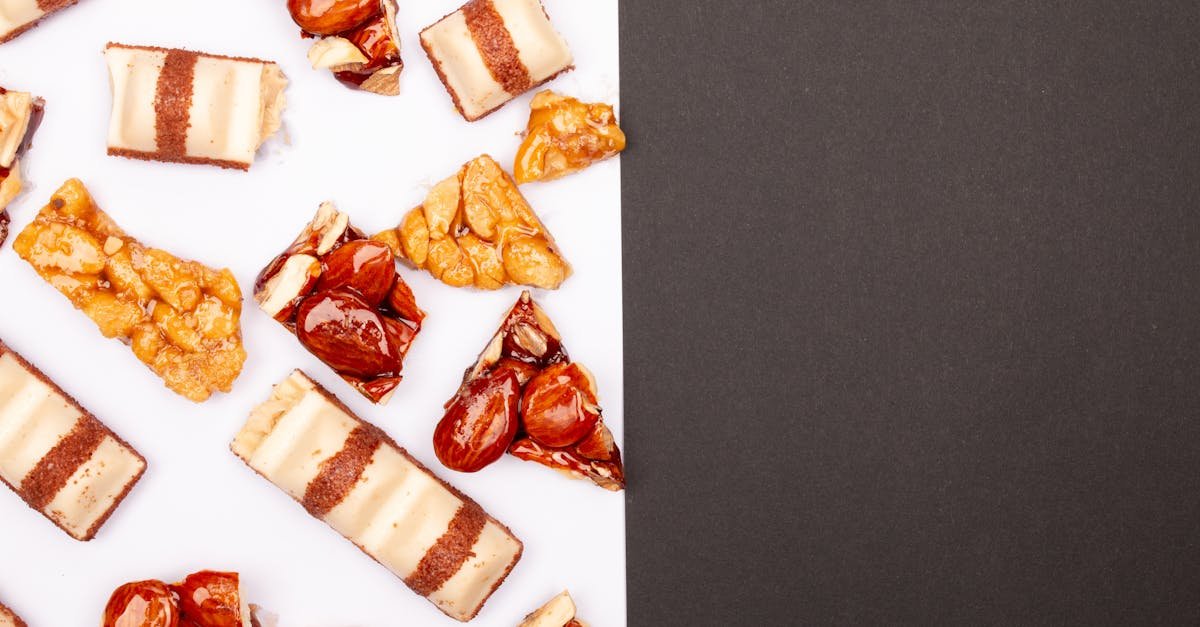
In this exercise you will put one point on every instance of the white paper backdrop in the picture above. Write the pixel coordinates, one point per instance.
(198, 507)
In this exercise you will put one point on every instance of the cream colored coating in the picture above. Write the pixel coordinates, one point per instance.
(463, 66)
(541, 49)
(95, 487)
(491, 556)
(16, 107)
(306, 434)
(34, 418)
(17, 14)
(133, 74)
(396, 512)
(236, 104)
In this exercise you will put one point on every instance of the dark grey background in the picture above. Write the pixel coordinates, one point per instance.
(912, 312)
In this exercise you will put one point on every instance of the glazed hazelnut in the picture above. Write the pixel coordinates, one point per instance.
(559, 405)
(143, 604)
(330, 17)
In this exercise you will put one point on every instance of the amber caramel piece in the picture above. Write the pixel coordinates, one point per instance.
(476, 229)
(564, 136)
(180, 318)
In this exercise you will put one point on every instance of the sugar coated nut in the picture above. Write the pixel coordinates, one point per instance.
(142, 603)
(330, 17)
(559, 405)
(480, 422)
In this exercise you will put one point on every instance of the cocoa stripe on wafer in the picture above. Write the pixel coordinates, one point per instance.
(496, 46)
(49, 6)
(340, 473)
(51, 473)
(450, 552)
(172, 102)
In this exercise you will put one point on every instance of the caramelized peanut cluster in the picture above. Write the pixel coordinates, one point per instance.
(358, 41)
(524, 395)
(339, 292)
(180, 318)
(476, 229)
(564, 136)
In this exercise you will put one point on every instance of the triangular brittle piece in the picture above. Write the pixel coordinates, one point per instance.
(476, 229)
(20, 116)
(526, 396)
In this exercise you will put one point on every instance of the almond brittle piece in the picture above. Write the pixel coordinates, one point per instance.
(20, 116)
(181, 318)
(341, 295)
(476, 229)
(526, 396)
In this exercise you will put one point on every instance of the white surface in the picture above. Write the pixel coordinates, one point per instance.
(199, 506)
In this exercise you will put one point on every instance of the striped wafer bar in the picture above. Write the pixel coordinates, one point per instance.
(8, 618)
(18, 16)
(56, 455)
(191, 107)
(350, 474)
(491, 51)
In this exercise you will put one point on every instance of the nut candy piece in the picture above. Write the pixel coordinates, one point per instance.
(557, 612)
(60, 459)
(560, 422)
(9, 618)
(181, 318)
(20, 116)
(350, 474)
(177, 105)
(565, 135)
(355, 39)
(18, 16)
(476, 229)
(341, 295)
(491, 51)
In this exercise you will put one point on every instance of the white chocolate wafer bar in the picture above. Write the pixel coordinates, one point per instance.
(491, 51)
(56, 455)
(350, 474)
(191, 107)
(8, 618)
(18, 16)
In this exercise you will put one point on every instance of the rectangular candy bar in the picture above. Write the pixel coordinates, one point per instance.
(56, 455)
(491, 51)
(350, 474)
(191, 107)
(18, 16)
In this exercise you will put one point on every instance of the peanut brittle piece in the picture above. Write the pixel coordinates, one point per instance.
(564, 136)
(476, 229)
(181, 318)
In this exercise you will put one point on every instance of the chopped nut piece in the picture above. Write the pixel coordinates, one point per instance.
(476, 229)
(180, 317)
(557, 612)
(565, 135)
(334, 52)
